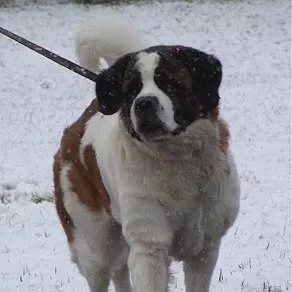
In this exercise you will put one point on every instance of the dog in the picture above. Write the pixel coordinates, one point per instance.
(146, 174)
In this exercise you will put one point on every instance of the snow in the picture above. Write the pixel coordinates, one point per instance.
(39, 98)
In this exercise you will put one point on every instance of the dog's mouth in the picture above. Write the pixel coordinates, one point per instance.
(150, 128)
(151, 131)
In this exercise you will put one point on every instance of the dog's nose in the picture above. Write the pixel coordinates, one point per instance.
(146, 105)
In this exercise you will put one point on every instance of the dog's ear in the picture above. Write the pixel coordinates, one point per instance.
(206, 75)
(108, 87)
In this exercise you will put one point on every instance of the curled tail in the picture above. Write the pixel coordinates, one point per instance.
(107, 39)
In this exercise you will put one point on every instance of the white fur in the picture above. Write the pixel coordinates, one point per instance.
(149, 195)
(182, 187)
(146, 64)
(98, 249)
(108, 38)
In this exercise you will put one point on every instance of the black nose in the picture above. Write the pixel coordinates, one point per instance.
(146, 105)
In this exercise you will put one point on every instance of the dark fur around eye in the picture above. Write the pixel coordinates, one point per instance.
(166, 82)
(182, 98)
(133, 86)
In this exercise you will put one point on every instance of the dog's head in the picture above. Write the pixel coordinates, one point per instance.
(160, 91)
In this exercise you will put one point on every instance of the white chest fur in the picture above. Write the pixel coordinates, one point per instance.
(197, 195)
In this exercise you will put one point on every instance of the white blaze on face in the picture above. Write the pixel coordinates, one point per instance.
(146, 64)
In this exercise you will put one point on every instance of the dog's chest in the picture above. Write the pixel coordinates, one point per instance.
(180, 189)
(176, 179)
(188, 192)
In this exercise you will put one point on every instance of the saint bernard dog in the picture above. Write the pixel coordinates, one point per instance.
(145, 175)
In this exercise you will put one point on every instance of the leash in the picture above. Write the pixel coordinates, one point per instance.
(50, 55)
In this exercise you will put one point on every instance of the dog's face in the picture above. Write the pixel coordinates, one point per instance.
(160, 91)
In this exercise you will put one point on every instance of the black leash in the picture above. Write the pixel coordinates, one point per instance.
(52, 56)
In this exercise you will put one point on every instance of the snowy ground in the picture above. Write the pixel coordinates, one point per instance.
(38, 99)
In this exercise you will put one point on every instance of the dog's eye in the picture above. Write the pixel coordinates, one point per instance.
(163, 77)
(134, 85)
(166, 82)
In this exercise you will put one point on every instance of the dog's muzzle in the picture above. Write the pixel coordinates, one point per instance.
(146, 109)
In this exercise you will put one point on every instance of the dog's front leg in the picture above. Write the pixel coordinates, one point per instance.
(149, 235)
(199, 269)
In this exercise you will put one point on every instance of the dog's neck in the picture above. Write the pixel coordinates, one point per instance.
(200, 141)
(194, 157)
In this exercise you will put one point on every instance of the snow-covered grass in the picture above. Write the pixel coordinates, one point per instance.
(38, 99)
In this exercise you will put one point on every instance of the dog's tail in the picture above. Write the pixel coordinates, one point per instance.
(107, 39)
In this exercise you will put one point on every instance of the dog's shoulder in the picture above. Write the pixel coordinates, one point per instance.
(72, 136)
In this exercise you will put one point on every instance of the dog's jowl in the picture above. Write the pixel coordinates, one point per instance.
(146, 175)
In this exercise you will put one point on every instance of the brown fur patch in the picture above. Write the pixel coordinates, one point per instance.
(65, 219)
(87, 183)
(85, 179)
(224, 136)
(224, 133)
